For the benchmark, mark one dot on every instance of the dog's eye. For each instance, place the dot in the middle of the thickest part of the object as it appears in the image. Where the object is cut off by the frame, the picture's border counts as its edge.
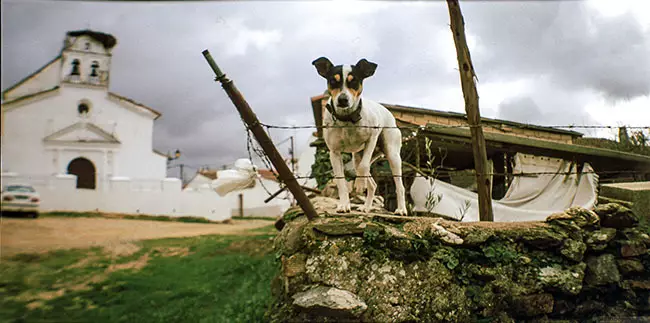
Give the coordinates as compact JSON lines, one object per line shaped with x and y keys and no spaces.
{"x":353,"y":84}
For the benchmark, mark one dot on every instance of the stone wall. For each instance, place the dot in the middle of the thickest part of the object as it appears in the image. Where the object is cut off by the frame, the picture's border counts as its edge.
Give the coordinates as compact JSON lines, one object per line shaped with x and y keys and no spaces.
{"x":575,"y":266}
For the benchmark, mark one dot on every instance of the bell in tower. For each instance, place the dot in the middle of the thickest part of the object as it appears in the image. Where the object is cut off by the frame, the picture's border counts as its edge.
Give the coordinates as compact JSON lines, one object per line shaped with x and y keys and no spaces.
{"x":88,"y":57}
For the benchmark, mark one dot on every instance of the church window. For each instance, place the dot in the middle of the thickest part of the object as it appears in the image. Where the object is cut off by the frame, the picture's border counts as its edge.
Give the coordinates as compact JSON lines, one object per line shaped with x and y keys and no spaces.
{"x":83,"y":109}
{"x":93,"y":68}
{"x":75,"y":67}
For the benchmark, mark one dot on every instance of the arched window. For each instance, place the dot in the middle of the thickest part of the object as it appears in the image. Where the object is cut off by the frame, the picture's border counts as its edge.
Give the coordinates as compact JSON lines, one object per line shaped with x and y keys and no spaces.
{"x":83,"y":109}
{"x":75,"y":67}
{"x":87,"y":46}
{"x":93,"y":69}
{"x":85,"y":172}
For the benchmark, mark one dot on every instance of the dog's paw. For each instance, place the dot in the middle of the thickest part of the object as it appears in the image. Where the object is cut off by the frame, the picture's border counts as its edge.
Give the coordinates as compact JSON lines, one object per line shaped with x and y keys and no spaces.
{"x":365,"y":209}
{"x":343,"y":208}
{"x":401,"y":211}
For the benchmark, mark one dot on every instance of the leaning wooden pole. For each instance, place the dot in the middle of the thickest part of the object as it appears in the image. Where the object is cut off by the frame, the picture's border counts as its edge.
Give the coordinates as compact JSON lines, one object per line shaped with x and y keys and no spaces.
{"x":249,"y":117}
{"x":467,"y":79}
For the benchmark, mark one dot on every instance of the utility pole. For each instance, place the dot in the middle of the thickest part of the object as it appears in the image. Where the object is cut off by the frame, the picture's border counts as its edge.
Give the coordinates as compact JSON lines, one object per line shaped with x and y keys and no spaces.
{"x":293,"y":158}
{"x":467,"y":75}
{"x":182,"y":177}
{"x":293,"y":165}
{"x":253,"y":124}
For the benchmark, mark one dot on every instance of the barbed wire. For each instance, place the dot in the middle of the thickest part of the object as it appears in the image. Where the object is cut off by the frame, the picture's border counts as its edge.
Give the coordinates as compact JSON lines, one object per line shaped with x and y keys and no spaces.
{"x":469,"y":173}
{"x":522,"y":126}
{"x":250,"y":146}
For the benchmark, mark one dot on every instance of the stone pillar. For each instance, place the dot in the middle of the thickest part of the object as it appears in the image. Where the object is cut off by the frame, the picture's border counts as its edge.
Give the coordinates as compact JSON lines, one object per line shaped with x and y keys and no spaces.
{"x":115,"y":165}
{"x":111,"y":164}
{"x":104,"y":172}
{"x":59,"y":165}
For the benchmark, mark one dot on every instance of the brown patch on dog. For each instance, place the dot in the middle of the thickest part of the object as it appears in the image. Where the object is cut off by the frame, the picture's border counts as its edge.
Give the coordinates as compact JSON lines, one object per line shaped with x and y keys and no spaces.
{"x":334,"y":92}
{"x":337,"y":77}
{"x":355,"y":93}
{"x":350,"y":77}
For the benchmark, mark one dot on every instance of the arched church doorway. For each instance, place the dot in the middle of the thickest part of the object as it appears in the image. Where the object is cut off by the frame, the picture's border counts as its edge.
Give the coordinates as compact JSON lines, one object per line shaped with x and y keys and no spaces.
{"x":85,"y":172}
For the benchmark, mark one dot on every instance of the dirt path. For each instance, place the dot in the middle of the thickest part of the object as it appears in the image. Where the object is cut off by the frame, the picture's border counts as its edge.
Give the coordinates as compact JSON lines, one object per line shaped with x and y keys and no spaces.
{"x":44,"y":234}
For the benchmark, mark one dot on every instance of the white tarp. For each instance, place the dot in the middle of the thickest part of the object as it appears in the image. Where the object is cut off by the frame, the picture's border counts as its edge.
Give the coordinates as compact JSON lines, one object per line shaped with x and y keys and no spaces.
{"x":529,"y":197}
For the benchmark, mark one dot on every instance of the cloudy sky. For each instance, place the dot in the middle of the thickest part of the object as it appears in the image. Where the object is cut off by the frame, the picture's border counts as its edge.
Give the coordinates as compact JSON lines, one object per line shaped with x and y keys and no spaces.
{"x":548,"y":63}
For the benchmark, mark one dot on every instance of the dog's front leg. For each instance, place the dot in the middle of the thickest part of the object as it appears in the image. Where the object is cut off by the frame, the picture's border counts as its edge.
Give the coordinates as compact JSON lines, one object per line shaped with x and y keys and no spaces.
{"x":363,"y":170}
{"x":341,"y":184}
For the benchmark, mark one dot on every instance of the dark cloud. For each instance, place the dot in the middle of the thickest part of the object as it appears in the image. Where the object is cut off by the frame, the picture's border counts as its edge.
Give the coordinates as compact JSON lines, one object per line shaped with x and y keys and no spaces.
{"x":564,"y":40}
{"x":521,"y":109}
{"x":545,"y":106}
{"x":267,"y":49}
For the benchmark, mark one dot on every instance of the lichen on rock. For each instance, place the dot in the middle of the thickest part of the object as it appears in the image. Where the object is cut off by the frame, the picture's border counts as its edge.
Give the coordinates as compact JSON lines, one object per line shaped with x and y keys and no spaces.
{"x":602,"y":270}
{"x":565,"y":280}
{"x":597,"y":240}
{"x":329,"y":301}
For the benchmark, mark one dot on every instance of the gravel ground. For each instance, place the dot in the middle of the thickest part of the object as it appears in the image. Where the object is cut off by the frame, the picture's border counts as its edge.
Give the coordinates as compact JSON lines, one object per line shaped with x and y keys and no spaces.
{"x":19,"y":235}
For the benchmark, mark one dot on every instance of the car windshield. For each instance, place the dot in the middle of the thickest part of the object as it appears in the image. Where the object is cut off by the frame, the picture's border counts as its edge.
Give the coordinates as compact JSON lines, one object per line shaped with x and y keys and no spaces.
{"x":20,"y":188}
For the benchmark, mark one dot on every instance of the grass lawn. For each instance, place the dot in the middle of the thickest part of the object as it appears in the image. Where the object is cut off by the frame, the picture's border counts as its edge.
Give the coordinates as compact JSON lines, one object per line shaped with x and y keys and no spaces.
{"x":199,"y":279}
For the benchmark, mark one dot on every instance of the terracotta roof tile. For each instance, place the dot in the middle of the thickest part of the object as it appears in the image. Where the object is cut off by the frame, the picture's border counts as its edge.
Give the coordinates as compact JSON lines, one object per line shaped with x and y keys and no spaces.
{"x":209,"y":173}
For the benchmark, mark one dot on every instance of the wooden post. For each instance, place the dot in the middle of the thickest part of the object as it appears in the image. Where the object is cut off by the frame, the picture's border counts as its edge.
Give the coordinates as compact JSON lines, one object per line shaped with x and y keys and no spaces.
{"x":262,"y":138}
{"x":417,"y":150}
{"x":467,"y":75}
{"x":241,"y":205}
{"x":182,"y":175}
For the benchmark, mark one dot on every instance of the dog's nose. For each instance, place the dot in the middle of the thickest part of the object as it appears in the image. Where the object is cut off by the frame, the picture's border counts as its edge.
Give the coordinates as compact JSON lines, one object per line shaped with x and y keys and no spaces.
{"x":343,"y":100}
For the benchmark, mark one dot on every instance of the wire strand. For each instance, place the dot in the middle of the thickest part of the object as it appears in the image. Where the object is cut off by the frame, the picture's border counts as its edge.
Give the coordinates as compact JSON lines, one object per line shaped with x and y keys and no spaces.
{"x":520,"y":174}
{"x":523,"y":126}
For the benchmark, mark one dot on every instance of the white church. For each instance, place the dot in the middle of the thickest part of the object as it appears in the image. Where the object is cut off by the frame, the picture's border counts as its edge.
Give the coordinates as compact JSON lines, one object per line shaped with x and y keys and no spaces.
{"x":62,"y":119}
{"x":85,"y":148}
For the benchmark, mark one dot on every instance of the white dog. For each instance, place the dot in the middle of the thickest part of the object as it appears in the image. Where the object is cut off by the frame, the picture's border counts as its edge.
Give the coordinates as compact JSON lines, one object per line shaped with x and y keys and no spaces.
{"x":357,"y":126}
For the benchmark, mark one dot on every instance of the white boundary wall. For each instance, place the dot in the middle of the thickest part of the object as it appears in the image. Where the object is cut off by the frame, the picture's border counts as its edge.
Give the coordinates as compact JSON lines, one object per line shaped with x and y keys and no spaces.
{"x":123,"y":195}
{"x":254,"y":197}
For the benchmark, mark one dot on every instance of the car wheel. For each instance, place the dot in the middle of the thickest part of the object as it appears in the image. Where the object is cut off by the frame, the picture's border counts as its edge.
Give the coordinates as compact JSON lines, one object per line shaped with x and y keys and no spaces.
{"x":34,"y":215}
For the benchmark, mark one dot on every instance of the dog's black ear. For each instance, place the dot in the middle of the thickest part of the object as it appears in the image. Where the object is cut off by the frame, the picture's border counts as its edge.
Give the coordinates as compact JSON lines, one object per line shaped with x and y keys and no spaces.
{"x":323,"y":66}
{"x":365,"y":68}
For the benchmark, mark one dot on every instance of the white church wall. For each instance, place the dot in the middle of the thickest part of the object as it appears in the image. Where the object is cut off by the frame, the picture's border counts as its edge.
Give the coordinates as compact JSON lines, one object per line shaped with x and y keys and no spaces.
{"x":134,"y":158}
{"x":25,"y":126}
{"x":45,"y":80}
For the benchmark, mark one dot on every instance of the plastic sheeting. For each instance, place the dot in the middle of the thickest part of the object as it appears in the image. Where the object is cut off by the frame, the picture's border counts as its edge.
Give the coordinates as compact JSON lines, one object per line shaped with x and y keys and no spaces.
{"x":529,"y":198}
{"x":243,"y":176}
